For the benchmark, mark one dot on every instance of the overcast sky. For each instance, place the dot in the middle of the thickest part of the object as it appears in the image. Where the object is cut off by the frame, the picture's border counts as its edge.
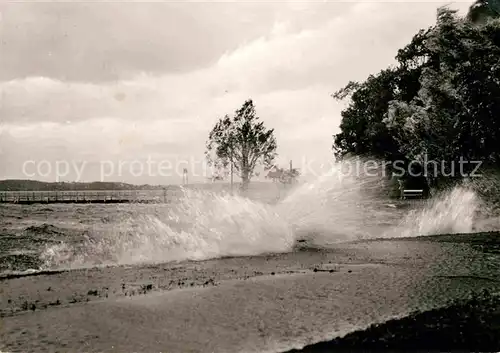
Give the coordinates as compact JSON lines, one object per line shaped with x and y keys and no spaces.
{"x":93,"y":84}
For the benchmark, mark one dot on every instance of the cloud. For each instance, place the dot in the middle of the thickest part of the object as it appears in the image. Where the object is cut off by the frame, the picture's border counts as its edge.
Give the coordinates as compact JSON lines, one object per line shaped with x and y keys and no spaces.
{"x":103,"y":41}
{"x":289,"y":57}
{"x":289,"y":65}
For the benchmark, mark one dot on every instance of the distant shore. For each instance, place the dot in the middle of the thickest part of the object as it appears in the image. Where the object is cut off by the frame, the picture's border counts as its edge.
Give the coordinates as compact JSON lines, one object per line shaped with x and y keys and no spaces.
{"x":36,"y":185}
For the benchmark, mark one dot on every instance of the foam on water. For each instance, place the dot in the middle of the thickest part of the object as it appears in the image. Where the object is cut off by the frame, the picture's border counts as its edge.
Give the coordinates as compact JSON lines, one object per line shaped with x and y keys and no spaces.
{"x":452,"y":212}
{"x":334,"y":208}
{"x":202,"y":225}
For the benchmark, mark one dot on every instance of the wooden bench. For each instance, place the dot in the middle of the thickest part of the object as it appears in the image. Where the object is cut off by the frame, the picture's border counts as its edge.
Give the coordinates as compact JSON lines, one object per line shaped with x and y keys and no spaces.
{"x":413,"y":194}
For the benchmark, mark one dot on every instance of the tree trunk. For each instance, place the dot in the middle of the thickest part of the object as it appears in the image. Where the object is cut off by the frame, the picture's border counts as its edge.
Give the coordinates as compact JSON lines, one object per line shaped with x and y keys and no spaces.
{"x":245,"y":179}
{"x":245,"y":169}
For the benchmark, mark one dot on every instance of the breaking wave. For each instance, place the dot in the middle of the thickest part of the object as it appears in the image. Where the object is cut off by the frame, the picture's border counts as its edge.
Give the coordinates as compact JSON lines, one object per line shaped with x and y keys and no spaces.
{"x":336,"y":207}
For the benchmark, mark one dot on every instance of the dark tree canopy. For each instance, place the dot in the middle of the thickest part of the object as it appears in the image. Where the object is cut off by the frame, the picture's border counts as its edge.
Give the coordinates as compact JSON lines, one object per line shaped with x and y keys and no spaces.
{"x":441,"y":100}
{"x":482,"y":10}
{"x":242,"y":142}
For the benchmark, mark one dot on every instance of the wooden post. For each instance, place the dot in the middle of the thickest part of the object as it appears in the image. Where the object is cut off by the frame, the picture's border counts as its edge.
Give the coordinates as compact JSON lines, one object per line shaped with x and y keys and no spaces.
{"x":401,"y":188}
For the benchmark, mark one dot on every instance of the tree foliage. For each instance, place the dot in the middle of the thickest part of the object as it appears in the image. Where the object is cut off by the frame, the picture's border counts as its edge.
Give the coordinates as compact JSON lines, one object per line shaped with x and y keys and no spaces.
{"x":442,"y":99}
{"x":283,"y":175}
{"x":242,"y":142}
{"x":483,"y":10}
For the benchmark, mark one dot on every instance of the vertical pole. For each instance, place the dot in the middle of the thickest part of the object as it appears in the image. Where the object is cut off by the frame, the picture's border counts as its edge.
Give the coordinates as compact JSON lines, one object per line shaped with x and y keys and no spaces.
{"x":231,"y":161}
{"x":185,"y":176}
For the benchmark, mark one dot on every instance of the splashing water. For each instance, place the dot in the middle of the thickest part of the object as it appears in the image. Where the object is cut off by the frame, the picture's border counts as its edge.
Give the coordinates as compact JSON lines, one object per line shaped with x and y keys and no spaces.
{"x":453,"y":212}
{"x":202,"y":225}
{"x":337,"y":207}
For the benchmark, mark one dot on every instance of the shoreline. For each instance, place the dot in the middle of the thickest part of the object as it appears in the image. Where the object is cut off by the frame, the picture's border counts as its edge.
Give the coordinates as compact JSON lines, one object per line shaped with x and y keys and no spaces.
{"x":336,"y":290}
{"x":41,"y":290}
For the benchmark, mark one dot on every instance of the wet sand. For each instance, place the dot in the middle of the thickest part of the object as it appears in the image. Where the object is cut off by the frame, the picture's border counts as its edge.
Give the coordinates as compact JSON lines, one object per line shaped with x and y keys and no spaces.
{"x":267,"y":303}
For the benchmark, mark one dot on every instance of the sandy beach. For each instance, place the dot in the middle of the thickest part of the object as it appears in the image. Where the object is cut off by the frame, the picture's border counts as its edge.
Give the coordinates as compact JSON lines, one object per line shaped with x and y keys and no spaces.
{"x":267,"y":303}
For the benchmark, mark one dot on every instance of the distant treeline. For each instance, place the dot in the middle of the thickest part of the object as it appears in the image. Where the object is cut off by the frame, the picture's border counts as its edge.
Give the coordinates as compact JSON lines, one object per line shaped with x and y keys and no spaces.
{"x":440,"y":102}
{"x":34,"y":185}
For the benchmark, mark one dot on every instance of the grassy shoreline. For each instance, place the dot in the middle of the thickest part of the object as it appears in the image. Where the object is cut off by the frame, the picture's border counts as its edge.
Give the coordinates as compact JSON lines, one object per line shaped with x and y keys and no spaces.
{"x":463,"y":326}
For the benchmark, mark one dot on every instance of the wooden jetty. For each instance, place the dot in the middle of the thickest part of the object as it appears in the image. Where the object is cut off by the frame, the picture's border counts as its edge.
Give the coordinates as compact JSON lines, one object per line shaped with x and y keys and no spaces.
{"x":87,"y":196}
